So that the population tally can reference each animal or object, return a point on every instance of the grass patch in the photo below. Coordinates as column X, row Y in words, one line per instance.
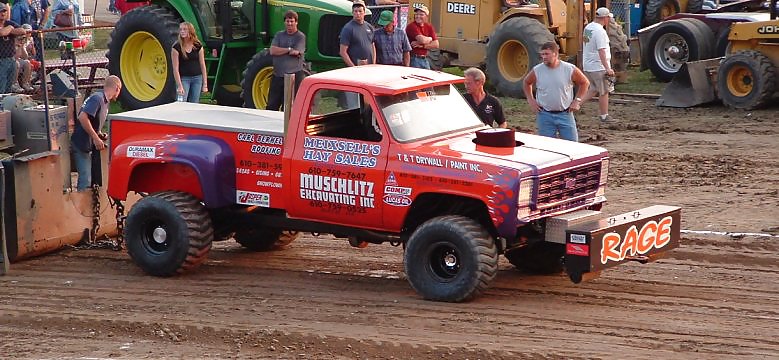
column 641, row 82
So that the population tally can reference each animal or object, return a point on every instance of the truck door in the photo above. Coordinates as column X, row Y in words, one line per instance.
column 338, row 162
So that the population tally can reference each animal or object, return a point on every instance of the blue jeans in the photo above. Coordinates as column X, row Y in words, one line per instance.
column 419, row 62
column 7, row 70
column 84, row 168
column 550, row 124
column 193, row 86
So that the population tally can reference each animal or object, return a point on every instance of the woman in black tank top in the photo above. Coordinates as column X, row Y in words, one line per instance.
column 189, row 65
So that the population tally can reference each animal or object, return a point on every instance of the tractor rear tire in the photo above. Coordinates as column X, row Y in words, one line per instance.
column 168, row 233
column 747, row 80
column 675, row 42
column 657, row 10
column 450, row 258
column 538, row 258
column 139, row 54
column 257, row 77
column 265, row 239
column 514, row 48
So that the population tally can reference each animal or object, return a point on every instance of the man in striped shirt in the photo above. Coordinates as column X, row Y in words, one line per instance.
column 392, row 46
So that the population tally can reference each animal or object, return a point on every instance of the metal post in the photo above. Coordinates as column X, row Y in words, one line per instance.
column 289, row 95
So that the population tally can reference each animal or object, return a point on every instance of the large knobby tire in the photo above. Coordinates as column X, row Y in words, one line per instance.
column 538, row 258
column 450, row 258
column 265, row 239
column 675, row 42
column 513, row 49
column 746, row 80
column 168, row 233
column 657, row 10
column 722, row 44
column 139, row 53
column 257, row 77
column 437, row 59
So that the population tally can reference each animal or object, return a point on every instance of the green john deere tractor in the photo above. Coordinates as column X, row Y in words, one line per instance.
column 236, row 36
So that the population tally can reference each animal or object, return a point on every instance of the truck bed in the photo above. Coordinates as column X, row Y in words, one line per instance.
column 202, row 116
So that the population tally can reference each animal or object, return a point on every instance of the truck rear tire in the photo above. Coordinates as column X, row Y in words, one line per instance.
column 657, row 10
column 265, row 239
column 168, row 233
column 450, row 258
column 747, row 80
column 538, row 258
column 677, row 41
column 257, row 77
column 139, row 53
column 513, row 49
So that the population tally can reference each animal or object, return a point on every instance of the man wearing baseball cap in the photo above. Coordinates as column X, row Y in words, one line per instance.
column 392, row 46
column 357, row 38
column 596, row 61
column 422, row 37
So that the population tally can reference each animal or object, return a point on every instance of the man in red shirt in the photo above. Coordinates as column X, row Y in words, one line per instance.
column 422, row 37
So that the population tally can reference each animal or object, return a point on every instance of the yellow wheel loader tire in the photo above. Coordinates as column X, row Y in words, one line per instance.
column 139, row 53
column 513, row 49
column 657, row 10
column 746, row 80
column 257, row 77
column 675, row 42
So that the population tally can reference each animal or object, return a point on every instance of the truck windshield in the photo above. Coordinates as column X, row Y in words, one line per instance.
column 427, row 112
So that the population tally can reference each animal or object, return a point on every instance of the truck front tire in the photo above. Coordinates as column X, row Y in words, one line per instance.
column 450, row 258
column 168, row 233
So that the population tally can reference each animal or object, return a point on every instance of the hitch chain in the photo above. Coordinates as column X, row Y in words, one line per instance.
column 91, row 241
column 117, row 245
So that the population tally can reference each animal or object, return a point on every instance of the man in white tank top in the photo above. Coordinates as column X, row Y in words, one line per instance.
column 553, row 102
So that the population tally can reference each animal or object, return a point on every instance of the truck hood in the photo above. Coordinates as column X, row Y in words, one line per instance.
column 533, row 154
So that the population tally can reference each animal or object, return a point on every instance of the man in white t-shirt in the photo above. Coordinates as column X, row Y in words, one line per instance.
column 596, row 62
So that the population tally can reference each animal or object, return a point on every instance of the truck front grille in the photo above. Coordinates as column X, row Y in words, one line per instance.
column 567, row 189
column 329, row 31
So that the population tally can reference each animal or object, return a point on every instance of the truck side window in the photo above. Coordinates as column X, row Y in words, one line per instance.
column 342, row 114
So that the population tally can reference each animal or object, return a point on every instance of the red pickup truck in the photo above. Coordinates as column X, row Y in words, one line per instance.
column 374, row 154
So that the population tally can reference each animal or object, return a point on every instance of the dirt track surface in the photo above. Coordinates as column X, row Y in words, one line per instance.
column 715, row 297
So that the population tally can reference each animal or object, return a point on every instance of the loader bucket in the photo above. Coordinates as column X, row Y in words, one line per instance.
column 694, row 84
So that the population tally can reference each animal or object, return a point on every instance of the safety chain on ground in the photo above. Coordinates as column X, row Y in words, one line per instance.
column 91, row 240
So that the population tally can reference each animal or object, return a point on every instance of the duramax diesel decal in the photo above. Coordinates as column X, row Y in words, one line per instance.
column 341, row 152
column 141, row 152
column 653, row 235
column 396, row 195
